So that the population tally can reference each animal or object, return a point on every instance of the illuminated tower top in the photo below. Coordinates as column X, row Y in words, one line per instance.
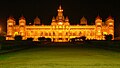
column 60, row 11
column 60, row 16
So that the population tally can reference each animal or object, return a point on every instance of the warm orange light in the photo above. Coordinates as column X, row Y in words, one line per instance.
column 60, row 29
column 98, row 23
column 60, row 23
column 99, row 31
column 16, row 33
column 0, row 29
column 111, row 31
column 60, row 10
column 105, row 33
column 110, row 23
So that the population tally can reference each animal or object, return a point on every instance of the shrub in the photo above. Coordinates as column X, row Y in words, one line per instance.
column 72, row 40
column 48, row 39
column 18, row 37
column 29, row 39
column 108, row 37
column 2, row 38
column 83, row 38
column 41, row 38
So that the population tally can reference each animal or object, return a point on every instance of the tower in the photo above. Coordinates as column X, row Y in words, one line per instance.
column 60, row 17
column 110, row 25
column 10, row 28
column 98, row 24
column 60, row 12
column 22, row 24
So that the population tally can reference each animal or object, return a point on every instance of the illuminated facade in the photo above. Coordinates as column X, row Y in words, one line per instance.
column 60, row 29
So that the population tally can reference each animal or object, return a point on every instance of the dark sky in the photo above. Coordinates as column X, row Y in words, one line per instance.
column 46, row 9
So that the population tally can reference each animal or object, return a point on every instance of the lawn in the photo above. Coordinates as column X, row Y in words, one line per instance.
column 61, row 57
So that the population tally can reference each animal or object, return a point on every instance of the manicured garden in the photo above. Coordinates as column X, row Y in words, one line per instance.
column 61, row 57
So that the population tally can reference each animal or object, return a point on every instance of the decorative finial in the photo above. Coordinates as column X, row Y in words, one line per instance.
column 60, row 7
column 98, row 17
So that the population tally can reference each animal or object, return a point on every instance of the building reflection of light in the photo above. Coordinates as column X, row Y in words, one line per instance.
column 60, row 23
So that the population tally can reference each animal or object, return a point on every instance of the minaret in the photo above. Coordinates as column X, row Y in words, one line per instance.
column 22, row 25
column 22, row 21
column 10, row 27
column 98, row 23
column 110, row 25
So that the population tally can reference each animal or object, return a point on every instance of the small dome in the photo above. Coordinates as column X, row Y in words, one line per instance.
column 98, row 17
column 53, row 19
column 22, row 17
column 83, row 21
column 67, row 19
column 37, row 21
column 11, row 17
column 109, row 17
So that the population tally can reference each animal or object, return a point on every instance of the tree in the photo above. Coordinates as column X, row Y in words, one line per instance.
column 41, row 38
column 83, row 38
column 29, row 39
column 2, row 33
column 108, row 37
column 72, row 40
column 18, row 37
column 48, row 39
column 2, row 38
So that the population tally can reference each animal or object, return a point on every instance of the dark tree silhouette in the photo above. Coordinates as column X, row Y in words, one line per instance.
column 48, row 39
column 83, row 38
column 108, row 37
column 18, row 37
column 41, row 38
column 29, row 39
column 2, row 38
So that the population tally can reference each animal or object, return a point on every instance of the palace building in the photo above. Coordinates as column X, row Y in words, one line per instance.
column 60, row 29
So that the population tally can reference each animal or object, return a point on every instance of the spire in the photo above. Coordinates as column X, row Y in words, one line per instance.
column 36, row 21
column 83, row 18
column 109, row 17
column 11, row 17
column 53, row 19
column 22, row 17
column 98, row 17
column 83, row 21
column 60, row 3
column 60, row 16
column 60, row 9
column 66, row 19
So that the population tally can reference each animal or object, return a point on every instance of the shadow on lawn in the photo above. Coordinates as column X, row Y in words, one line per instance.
column 12, row 45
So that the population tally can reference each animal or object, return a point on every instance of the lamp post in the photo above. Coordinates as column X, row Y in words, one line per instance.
column 0, row 42
column 0, row 29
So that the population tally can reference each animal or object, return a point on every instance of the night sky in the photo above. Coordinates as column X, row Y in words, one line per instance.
column 46, row 9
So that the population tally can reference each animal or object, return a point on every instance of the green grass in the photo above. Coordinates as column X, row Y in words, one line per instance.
column 61, row 58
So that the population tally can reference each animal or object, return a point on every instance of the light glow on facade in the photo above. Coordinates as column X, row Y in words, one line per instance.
column 60, row 29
